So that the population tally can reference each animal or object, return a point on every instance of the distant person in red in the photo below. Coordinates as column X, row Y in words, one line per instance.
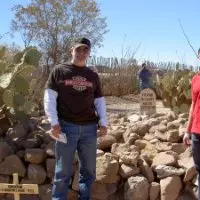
column 192, row 136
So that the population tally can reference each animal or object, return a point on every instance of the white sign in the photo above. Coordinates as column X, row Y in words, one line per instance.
column 18, row 189
column 147, row 102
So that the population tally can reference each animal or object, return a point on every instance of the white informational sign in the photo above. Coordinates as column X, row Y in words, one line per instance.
column 147, row 102
column 18, row 189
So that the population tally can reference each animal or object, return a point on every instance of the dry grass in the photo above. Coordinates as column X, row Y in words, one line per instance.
column 120, row 81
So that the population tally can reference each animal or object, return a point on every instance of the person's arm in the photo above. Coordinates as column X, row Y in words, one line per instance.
column 50, row 102
column 190, row 119
column 100, row 107
column 50, row 106
column 194, row 97
column 187, row 135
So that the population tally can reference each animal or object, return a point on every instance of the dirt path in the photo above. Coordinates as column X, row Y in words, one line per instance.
column 129, row 104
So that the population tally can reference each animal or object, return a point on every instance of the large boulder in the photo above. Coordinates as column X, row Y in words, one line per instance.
column 128, row 154
column 11, row 165
column 170, row 187
column 107, row 169
column 154, row 191
column 164, row 171
column 146, row 169
column 127, row 171
column 105, row 142
column 36, row 174
column 5, row 150
column 186, row 161
column 136, row 187
column 165, row 158
column 35, row 155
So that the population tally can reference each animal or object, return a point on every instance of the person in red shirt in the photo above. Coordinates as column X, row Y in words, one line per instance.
column 192, row 136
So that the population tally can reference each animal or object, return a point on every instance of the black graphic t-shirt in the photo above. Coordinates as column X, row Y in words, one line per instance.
column 77, row 87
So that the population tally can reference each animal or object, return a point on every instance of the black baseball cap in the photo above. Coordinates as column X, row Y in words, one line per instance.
column 82, row 42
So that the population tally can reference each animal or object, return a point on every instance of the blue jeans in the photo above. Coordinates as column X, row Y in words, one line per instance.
column 144, row 85
column 82, row 138
column 196, row 157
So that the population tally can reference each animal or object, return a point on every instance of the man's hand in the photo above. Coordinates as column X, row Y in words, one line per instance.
column 102, row 131
column 55, row 130
column 186, row 139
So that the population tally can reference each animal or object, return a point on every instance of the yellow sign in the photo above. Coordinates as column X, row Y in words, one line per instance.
column 22, row 188
column 18, row 189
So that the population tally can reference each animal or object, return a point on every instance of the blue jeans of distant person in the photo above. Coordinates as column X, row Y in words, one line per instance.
column 196, row 157
column 143, row 86
column 82, row 138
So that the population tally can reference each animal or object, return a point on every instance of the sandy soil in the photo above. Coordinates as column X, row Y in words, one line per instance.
column 130, row 104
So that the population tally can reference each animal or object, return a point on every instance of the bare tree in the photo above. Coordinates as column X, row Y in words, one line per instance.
column 53, row 24
column 3, row 35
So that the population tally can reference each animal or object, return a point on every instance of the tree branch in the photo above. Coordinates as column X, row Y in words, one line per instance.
column 188, row 39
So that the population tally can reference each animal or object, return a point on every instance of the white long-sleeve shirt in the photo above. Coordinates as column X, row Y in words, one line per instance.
column 50, row 107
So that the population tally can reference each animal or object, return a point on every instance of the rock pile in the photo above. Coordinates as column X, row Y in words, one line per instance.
column 139, row 159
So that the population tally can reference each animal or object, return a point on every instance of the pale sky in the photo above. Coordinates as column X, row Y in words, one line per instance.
column 150, row 25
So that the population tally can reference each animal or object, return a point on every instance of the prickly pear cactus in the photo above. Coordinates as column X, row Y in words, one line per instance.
column 175, row 90
column 14, row 83
column 31, row 57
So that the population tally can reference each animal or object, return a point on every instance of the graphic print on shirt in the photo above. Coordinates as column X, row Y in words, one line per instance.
column 79, row 83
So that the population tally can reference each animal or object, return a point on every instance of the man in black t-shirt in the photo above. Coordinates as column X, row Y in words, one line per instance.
column 74, row 105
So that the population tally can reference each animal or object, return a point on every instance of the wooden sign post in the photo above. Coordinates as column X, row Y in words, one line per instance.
column 18, row 189
column 147, row 102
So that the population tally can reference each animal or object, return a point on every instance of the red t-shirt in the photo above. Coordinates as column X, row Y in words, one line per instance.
column 195, row 88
